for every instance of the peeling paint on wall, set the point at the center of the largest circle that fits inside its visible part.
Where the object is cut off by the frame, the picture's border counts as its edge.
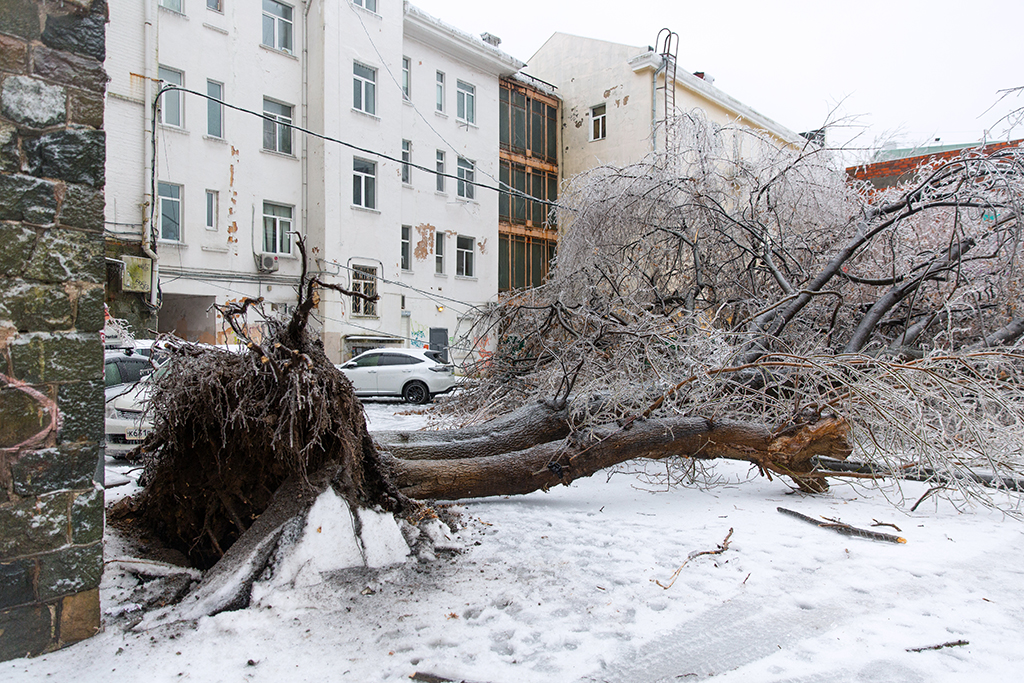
(233, 195)
(482, 246)
(425, 246)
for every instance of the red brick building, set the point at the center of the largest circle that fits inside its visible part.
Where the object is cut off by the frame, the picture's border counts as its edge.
(898, 166)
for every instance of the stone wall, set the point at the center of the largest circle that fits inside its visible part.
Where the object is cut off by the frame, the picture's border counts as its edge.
(52, 272)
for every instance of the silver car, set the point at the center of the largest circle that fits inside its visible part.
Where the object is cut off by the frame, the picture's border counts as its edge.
(416, 375)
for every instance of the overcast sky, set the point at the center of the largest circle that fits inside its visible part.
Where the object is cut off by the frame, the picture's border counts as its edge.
(916, 69)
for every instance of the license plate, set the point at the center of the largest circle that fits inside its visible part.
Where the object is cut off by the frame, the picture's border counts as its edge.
(136, 434)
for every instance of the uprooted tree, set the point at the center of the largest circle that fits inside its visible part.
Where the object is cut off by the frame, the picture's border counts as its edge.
(730, 298)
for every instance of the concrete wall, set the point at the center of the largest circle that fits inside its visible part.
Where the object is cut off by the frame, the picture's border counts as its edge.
(51, 313)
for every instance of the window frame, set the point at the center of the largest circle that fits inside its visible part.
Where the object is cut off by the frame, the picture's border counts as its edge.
(365, 4)
(407, 162)
(465, 102)
(178, 5)
(171, 96)
(406, 251)
(215, 5)
(439, 237)
(439, 92)
(364, 89)
(439, 163)
(364, 181)
(215, 108)
(280, 127)
(212, 209)
(406, 79)
(599, 122)
(466, 172)
(364, 281)
(464, 259)
(277, 22)
(282, 225)
(166, 200)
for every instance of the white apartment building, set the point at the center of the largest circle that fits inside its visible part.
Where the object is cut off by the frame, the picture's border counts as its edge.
(386, 85)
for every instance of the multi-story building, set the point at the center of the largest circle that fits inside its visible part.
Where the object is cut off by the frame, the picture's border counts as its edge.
(390, 191)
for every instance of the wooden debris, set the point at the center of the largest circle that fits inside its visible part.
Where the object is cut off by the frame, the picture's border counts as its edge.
(723, 546)
(952, 643)
(843, 528)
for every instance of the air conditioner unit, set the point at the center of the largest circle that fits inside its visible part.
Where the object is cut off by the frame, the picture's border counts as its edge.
(267, 263)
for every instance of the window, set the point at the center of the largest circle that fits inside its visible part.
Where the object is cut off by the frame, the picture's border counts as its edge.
(439, 252)
(215, 110)
(364, 181)
(465, 173)
(406, 247)
(170, 211)
(406, 160)
(367, 4)
(406, 78)
(277, 222)
(171, 110)
(523, 262)
(598, 129)
(516, 206)
(171, 4)
(527, 125)
(464, 256)
(277, 131)
(439, 100)
(211, 209)
(466, 103)
(215, 5)
(440, 171)
(364, 281)
(364, 86)
(277, 25)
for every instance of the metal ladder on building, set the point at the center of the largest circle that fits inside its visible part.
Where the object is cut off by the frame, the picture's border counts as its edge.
(668, 46)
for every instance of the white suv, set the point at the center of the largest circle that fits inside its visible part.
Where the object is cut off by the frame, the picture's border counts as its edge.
(417, 375)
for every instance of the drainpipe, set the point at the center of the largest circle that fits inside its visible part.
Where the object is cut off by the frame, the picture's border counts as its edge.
(307, 4)
(150, 56)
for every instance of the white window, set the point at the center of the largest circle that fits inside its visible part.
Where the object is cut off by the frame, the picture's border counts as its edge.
(214, 109)
(440, 171)
(364, 281)
(364, 88)
(277, 131)
(439, 104)
(465, 184)
(439, 252)
(464, 256)
(406, 247)
(216, 5)
(171, 4)
(277, 222)
(364, 183)
(170, 211)
(466, 103)
(367, 4)
(171, 110)
(598, 126)
(277, 25)
(406, 161)
(406, 78)
(212, 201)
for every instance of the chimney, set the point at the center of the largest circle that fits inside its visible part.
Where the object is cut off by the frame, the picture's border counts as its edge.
(490, 39)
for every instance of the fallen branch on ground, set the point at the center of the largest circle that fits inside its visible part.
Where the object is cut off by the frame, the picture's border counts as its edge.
(844, 528)
(952, 643)
(723, 546)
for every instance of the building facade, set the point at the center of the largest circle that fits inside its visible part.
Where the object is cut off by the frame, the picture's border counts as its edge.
(386, 190)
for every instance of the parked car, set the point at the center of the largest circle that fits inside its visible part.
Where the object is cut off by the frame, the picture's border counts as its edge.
(416, 375)
(121, 370)
(126, 419)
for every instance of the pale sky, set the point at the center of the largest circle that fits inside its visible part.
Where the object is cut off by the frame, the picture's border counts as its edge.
(916, 69)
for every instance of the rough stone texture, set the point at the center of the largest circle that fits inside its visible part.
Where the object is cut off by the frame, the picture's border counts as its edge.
(13, 54)
(82, 207)
(10, 155)
(86, 109)
(68, 69)
(23, 198)
(70, 570)
(79, 33)
(76, 155)
(79, 617)
(16, 244)
(65, 466)
(87, 516)
(68, 255)
(33, 102)
(20, 18)
(16, 583)
(25, 631)
(81, 405)
(39, 358)
(89, 309)
(35, 525)
(35, 306)
(21, 417)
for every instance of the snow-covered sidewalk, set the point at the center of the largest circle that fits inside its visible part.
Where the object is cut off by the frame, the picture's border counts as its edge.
(562, 587)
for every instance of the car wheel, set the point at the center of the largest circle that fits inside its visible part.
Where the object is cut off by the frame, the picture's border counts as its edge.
(416, 392)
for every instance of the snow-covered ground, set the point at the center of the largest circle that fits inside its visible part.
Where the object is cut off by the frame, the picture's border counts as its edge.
(562, 587)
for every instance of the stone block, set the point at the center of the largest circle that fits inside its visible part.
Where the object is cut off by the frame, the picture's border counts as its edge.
(20, 18)
(79, 617)
(43, 357)
(16, 244)
(75, 155)
(10, 155)
(33, 102)
(24, 198)
(43, 308)
(68, 69)
(68, 255)
(69, 571)
(87, 516)
(81, 406)
(67, 466)
(22, 416)
(16, 583)
(25, 631)
(35, 525)
(89, 309)
(82, 208)
(13, 54)
(86, 108)
(82, 33)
